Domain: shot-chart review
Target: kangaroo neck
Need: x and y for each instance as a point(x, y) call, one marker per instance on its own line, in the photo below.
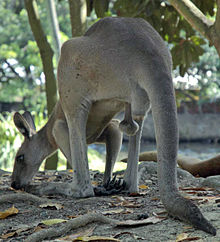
point(45, 135)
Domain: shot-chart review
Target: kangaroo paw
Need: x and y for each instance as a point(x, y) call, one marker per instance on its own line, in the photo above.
point(129, 128)
point(113, 186)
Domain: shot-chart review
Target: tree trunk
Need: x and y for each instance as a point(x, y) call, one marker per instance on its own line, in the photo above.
point(78, 13)
point(101, 7)
point(46, 54)
point(51, 8)
point(208, 28)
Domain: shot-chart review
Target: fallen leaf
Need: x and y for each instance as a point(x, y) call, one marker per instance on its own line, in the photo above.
point(143, 186)
point(155, 199)
point(181, 237)
point(184, 237)
point(130, 204)
point(96, 238)
point(137, 194)
point(119, 198)
point(6, 174)
point(50, 222)
point(8, 212)
point(56, 206)
point(188, 227)
point(13, 233)
point(95, 183)
point(38, 228)
point(191, 239)
point(150, 220)
point(52, 178)
point(196, 188)
point(73, 237)
point(122, 233)
point(128, 210)
point(113, 211)
point(72, 216)
point(8, 235)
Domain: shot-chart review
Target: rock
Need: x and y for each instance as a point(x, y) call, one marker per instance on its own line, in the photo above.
point(212, 181)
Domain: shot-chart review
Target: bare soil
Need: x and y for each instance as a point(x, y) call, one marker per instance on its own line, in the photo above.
point(28, 223)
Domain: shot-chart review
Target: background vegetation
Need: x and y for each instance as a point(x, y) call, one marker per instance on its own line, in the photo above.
point(196, 63)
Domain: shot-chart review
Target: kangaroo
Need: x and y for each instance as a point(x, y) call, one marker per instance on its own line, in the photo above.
point(39, 145)
point(122, 63)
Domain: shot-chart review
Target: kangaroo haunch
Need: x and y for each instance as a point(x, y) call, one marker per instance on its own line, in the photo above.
point(120, 63)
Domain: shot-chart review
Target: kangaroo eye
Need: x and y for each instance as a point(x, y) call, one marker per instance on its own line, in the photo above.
point(20, 158)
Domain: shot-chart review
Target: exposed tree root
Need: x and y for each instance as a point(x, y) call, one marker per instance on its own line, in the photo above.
point(203, 168)
point(21, 197)
point(71, 224)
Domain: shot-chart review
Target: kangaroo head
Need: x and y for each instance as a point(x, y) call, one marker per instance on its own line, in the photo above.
point(28, 157)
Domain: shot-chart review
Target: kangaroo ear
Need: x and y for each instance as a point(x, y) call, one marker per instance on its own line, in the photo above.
point(23, 125)
point(28, 117)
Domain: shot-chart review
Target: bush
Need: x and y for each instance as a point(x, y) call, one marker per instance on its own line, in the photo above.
point(11, 139)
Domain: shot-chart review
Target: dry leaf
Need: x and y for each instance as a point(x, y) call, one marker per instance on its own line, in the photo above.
point(73, 237)
point(52, 178)
point(72, 216)
point(191, 239)
point(38, 228)
point(196, 188)
point(8, 212)
point(128, 210)
point(96, 238)
point(50, 222)
point(49, 205)
point(150, 220)
point(95, 183)
point(143, 186)
point(184, 237)
point(8, 235)
point(155, 199)
point(122, 233)
point(130, 205)
point(181, 237)
point(188, 227)
point(119, 198)
point(113, 211)
point(13, 233)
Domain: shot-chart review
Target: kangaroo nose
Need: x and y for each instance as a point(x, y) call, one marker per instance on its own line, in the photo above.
point(15, 185)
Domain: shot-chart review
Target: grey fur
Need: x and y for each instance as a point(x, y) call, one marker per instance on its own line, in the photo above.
point(120, 63)
point(124, 61)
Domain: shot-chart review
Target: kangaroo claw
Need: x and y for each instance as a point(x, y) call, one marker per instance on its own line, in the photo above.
point(113, 186)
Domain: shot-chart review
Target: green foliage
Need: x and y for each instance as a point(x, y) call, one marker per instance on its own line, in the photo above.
point(186, 52)
point(11, 139)
point(207, 71)
point(206, 77)
point(185, 42)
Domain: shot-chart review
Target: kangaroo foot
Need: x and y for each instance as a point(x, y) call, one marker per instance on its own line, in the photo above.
point(65, 189)
point(113, 186)
point(129, 128)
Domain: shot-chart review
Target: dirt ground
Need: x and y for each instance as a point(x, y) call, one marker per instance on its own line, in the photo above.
point(93, 215)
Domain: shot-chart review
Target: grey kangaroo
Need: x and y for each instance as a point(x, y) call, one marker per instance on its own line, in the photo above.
point(122, 63)
point(39, 145)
